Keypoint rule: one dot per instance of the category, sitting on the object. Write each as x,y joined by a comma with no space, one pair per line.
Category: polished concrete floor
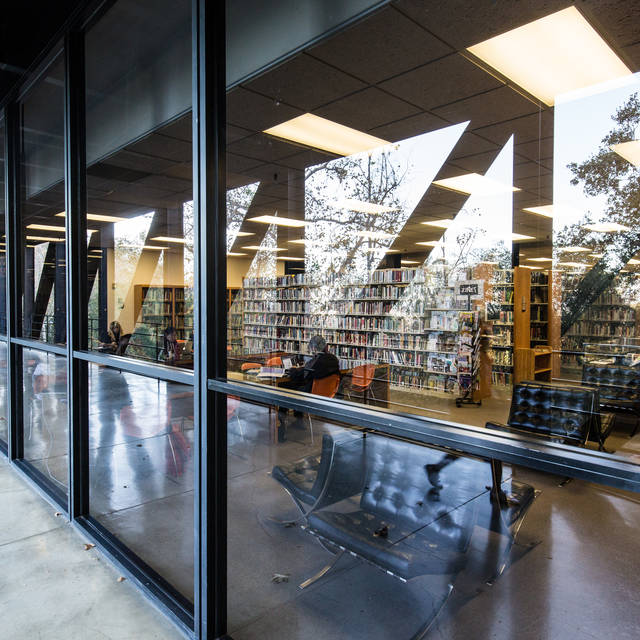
52,589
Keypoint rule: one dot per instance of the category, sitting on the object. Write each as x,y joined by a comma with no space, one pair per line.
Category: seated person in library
171,348
321,365
111,341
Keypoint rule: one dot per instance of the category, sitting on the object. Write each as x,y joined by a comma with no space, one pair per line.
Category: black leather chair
336,473
569,414
619,387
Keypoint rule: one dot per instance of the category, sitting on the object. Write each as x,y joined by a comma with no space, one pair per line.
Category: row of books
589,329
503,358
501,378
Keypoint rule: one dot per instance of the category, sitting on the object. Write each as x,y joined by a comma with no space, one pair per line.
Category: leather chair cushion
619,386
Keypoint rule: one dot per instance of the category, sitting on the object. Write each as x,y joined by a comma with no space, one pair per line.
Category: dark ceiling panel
384,45
255,112
524,128
409,127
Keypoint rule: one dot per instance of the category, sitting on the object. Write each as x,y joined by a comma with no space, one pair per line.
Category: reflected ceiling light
545,210
45,239
581,265
429,243
520,236
630,151
365,207
257,247
98,217
540,259
235,254
278,220
375,235
574,249
51,227
374,249
633,261
528,266
606,227
290,258
597,255
441,224
243,234
320,133
555,54
152,247
487,262
474,184
415,262
169,239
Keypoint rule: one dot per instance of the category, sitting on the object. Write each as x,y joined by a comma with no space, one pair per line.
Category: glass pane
436,227
408,534
3,253
4,395
141,468
44,309
139,177
46,430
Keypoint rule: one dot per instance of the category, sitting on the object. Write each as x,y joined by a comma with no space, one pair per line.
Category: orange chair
276,361
327,387
247,366
361,380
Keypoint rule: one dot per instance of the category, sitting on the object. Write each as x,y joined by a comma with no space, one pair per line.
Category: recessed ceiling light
235,254
52,227
540,259
45,239
528,266
555,54
409,262
429,243
520,236
169,239
375,235
243,234
474,184
630,151
606,227
320,133
290,258
257,247
574,249
151,247
97,217
441,224
364,207
545,210
581,265
633,261
278,220
597,255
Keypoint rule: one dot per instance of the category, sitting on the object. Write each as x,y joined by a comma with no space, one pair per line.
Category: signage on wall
470,289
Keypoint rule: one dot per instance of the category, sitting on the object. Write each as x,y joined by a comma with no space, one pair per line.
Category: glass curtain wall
421,218
4,423
140,282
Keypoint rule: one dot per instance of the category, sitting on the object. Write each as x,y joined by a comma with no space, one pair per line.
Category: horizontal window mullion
40,346
156,371
542,455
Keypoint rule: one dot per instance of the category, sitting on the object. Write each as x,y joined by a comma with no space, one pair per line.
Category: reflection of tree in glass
238,203
607,174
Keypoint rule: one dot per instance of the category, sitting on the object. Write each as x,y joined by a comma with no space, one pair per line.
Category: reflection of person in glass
111,340
171,348
321,365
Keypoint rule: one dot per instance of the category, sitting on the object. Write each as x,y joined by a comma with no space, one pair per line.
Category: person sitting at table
111,341
171,349
321,365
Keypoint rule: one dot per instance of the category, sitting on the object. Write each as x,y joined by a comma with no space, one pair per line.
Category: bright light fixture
581,265
597,255
290,258
257,247
555,54
375,235
278,220
574,249
540,259
606,227
545,210
429,243
235,254
243,234
364,207
169,239
520,236
45,239
151,247
630,151
633,261
52,227
97,217
474,184
527,266
320,133
409,262
441,224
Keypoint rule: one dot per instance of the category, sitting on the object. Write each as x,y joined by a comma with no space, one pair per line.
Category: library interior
430,219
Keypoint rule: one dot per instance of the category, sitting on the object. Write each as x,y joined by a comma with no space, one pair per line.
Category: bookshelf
398,317
162,307
501,296
234,322
539,316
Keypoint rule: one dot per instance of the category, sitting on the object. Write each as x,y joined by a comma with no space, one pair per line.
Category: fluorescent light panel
429,243
520,236
244,234
256,247
279,220
320,133
169,239
630,151
45,239
440,224
409,262
555,54
474,184
540,259
574,249
606,227
290,258
364,207
151,247
97,217
236,254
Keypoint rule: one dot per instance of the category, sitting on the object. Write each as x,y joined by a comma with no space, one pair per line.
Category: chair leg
309,581
497,494
424,630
